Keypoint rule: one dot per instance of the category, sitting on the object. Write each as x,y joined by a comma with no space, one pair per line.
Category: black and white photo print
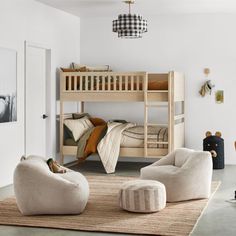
8,85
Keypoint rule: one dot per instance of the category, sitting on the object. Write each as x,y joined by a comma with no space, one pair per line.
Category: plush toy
215,145
55,167
206,88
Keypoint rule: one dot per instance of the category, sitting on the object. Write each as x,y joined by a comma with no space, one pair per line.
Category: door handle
45,116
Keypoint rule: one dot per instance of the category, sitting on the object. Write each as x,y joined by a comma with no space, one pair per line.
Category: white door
35,101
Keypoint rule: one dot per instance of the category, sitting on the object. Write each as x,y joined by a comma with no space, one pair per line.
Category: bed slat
85,78
132,83
120,83
114,83
137,83
69,82
97,83
108,82
126,82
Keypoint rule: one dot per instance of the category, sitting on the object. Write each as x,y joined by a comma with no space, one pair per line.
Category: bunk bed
154,90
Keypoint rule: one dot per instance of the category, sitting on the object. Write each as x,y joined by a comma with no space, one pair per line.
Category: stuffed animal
55,167
215,145
206,88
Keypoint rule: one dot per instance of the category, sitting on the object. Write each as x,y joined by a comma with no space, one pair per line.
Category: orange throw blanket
92,142
99,131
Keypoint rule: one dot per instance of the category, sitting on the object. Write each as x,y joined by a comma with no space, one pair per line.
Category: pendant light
129,25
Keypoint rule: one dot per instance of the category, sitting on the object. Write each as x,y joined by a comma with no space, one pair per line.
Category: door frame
50,149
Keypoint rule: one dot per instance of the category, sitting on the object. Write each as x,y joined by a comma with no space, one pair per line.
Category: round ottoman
143,196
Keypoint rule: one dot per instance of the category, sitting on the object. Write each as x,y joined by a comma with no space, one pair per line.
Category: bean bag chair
39,191
186,174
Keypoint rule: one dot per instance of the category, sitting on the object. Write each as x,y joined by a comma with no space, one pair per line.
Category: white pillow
78,126
91,68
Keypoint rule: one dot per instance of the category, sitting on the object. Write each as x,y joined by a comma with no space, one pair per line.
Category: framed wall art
8,85
219,96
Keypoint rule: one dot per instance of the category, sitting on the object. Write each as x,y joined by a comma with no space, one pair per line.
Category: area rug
104,215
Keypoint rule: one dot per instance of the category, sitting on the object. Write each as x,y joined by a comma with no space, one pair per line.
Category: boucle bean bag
39,191
186,174
144,196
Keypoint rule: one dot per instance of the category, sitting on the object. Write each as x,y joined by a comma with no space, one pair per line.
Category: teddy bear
215,145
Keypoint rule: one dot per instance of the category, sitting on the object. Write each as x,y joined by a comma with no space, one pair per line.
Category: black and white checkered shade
129,26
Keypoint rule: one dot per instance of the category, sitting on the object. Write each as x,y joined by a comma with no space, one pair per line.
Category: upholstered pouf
39,191
143,196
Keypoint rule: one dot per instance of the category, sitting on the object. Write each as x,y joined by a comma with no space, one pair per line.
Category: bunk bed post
179,119
61,133
145,86
61,119
171,111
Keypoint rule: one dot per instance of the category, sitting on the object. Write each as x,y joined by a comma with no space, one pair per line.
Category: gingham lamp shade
129,26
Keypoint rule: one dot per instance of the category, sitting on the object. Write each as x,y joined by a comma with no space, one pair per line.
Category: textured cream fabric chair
39,191
185,173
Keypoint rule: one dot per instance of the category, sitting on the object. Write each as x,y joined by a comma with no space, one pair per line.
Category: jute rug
103,213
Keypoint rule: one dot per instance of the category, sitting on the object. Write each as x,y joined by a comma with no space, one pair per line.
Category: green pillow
76,116
67,133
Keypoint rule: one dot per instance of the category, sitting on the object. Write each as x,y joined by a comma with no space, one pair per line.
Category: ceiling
108,8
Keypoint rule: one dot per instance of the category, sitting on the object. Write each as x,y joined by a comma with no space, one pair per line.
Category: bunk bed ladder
148,104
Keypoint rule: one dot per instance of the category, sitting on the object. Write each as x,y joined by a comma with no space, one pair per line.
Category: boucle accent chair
39,191
144,196
186,174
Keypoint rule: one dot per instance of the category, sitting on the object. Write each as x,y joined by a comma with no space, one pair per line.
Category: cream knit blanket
109,147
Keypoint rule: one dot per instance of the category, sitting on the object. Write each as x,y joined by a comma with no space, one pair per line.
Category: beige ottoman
143,196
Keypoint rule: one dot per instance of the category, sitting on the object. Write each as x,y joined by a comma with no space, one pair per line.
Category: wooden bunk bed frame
126,87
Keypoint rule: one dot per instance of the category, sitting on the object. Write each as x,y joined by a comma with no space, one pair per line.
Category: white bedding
134,137
109,147
126,135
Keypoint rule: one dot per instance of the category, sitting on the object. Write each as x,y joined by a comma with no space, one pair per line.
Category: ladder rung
152,124
177,117
156,105
151,156
157,142
157,91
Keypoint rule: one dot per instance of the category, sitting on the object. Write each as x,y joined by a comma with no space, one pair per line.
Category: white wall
22,20
186,43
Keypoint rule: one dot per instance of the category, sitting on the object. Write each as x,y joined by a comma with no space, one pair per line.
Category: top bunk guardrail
115,86
103,81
